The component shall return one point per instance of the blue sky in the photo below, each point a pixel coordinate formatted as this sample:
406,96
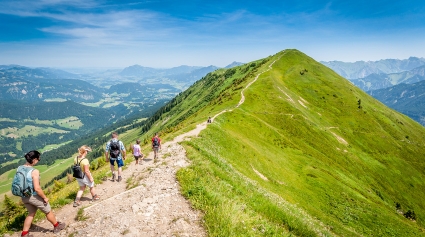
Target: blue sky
90,33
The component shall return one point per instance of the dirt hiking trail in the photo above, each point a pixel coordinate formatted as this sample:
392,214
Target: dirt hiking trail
154,207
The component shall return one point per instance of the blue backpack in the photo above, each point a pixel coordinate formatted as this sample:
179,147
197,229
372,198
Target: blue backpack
20,187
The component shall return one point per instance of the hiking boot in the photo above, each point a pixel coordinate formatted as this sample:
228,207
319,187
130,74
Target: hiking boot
113,177
60,227
119,178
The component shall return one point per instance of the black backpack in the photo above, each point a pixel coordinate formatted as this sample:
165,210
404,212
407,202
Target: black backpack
76,169
155,142
114,149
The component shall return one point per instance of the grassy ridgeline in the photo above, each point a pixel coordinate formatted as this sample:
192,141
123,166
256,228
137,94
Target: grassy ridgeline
307,154
318,142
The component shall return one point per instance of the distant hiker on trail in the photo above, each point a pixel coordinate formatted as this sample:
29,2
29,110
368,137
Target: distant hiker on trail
87,177
33,196
137,152
209,120
115,151
156,146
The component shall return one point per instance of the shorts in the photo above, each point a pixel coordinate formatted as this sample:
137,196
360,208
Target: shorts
138,157
156,149
85,182
36,202
120,162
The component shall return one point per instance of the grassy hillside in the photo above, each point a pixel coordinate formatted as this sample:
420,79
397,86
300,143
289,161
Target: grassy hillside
326,149
306,154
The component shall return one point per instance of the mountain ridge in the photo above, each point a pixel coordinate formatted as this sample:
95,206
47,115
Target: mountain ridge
318,140
361,69
380,81
305,142
406,98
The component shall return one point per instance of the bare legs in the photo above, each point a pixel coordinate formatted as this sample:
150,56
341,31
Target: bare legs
28,220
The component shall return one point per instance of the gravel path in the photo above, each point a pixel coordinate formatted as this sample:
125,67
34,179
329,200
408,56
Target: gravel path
154,207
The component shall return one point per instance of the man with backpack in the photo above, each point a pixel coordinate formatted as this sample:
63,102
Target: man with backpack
115,151
156,146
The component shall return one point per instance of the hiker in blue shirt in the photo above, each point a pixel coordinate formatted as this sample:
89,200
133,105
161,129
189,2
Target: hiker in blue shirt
115,151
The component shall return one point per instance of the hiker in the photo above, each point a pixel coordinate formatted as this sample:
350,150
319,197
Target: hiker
36,199
156,146
115,151
88,179
137,152
209,120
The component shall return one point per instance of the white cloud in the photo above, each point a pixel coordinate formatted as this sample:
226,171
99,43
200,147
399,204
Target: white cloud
110,36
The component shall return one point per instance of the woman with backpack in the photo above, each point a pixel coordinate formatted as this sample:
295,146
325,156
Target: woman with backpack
34,198
137,152
87,179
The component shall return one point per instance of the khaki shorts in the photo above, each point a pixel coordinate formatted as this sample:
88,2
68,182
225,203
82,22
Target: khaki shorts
36,202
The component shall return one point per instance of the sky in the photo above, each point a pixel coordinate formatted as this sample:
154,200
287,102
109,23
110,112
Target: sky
168,33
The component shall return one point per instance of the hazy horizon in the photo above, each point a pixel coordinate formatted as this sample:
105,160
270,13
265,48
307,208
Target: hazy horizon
165,34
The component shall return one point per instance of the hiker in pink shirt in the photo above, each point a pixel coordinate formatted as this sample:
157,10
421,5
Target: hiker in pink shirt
137,152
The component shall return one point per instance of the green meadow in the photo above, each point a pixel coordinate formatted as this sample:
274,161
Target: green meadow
306,154
315,141
16,132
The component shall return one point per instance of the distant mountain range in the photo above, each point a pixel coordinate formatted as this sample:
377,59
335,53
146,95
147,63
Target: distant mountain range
406,98
379,81
20,83
92,99
140,71
362,69
399,84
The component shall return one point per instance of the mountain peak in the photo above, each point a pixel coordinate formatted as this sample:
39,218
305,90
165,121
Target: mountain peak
234,64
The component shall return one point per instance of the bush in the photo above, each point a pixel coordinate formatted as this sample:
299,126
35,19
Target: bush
397,206
410,215
13,214
57,186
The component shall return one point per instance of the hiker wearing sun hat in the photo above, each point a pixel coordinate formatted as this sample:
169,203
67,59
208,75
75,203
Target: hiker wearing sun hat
87,180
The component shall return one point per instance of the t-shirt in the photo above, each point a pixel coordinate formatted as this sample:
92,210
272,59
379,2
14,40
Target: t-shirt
108,147
136,150
83,162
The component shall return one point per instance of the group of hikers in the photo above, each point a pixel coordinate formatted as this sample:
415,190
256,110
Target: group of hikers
26,183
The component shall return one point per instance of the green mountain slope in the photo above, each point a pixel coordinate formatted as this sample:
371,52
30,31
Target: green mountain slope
307,153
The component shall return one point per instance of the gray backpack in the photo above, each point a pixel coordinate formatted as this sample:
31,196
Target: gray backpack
20,186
